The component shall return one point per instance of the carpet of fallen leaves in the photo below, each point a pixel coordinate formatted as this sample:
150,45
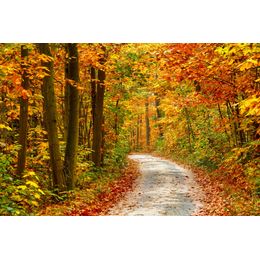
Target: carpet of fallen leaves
99,197
116,191
214,202
227,194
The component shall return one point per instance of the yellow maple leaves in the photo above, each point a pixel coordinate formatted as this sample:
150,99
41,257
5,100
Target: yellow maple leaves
251,106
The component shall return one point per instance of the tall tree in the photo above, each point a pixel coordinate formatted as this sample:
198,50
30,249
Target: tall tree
50,116
23,123
98,113
147,123
73,115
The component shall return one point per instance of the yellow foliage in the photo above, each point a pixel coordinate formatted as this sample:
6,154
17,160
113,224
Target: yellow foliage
251,106
2,126
37,195
41,191
22,187
31,183
35,203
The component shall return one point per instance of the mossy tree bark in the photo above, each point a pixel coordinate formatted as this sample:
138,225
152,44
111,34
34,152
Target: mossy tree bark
73,115
50,117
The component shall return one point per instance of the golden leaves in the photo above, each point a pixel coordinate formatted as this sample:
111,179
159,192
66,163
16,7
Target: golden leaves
2,126
251,106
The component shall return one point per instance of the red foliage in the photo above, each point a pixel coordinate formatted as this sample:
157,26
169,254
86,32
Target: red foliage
116,190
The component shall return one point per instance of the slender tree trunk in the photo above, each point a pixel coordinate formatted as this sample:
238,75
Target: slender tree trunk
189,127
98,117
234,119
232,128
73,123
116,119
102,150
221,117
50,112
147,123
93,92
84,122
138,132
23,124
189,123
82,118
241,133
66,98
159,116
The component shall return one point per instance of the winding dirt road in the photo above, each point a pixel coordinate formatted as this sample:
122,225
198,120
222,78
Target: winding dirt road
163,189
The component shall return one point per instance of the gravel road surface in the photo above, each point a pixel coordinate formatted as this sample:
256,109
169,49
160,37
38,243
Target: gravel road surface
163,189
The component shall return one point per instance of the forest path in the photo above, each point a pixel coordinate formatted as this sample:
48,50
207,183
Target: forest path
163,189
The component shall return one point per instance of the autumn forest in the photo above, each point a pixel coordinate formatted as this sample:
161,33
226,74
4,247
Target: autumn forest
75,117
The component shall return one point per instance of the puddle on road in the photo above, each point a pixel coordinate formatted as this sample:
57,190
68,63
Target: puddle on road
163,189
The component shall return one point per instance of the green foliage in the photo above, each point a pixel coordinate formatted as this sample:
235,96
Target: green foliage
18,196
87,178
118,154
160,145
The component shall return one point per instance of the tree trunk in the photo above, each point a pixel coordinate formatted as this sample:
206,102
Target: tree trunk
66,99
116,119
147,123
189,127
73,117
50,112
138,133
98,117
93,92
158,115
102,149
222,125
241,133
23,124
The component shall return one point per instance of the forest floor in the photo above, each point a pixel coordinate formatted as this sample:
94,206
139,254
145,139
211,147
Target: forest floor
149,185
97,197
163,188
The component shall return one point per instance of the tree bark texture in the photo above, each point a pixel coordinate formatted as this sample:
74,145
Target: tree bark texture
98,116
73,116
50,116
23,123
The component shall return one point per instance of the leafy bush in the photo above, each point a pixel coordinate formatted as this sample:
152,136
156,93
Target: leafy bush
118,154
18,196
